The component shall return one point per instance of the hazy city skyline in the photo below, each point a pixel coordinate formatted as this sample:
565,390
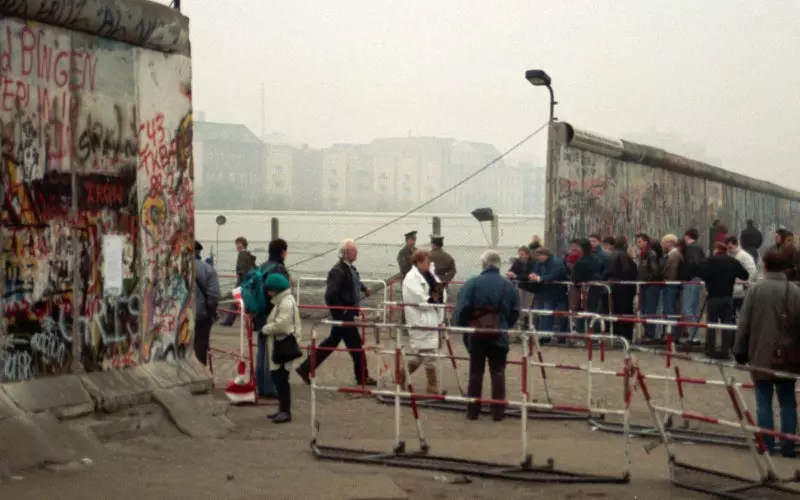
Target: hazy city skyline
715,72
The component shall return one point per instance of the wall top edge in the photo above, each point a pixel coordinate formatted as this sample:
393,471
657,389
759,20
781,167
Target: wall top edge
141,23
654,157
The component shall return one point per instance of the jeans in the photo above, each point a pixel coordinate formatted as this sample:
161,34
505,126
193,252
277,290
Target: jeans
202,338
553,323
690,306
281,379
669,302
230,318
264,383
788,408
484,350
651,294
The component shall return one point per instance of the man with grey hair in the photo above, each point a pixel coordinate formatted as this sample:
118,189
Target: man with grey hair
343,291
487,302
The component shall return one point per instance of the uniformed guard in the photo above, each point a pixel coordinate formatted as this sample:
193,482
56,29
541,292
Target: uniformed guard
443,263
405,253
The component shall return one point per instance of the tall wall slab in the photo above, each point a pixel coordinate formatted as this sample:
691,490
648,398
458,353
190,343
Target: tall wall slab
612,186
96,152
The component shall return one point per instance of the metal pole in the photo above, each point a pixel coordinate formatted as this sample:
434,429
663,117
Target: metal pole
495,231
274,229
437,225
553,103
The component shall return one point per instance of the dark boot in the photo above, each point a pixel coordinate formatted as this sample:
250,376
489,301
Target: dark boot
473,411
282,418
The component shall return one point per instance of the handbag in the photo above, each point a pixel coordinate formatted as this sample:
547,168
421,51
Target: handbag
481,319
287,349
787,354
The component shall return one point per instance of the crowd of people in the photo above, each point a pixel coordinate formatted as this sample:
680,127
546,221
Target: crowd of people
669,275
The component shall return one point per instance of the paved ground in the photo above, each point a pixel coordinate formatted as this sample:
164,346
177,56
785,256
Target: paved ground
263,460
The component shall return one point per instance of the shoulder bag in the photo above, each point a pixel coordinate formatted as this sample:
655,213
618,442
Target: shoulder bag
787,354
287,349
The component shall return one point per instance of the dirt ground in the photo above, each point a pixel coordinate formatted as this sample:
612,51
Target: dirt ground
263,460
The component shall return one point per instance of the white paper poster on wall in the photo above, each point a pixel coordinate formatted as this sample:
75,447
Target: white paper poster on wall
113,247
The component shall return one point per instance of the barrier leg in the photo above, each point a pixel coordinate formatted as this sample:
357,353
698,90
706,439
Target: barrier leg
423,443
453,363
538,348
752,438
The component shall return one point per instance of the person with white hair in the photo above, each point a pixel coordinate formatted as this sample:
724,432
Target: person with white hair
487,302
343,290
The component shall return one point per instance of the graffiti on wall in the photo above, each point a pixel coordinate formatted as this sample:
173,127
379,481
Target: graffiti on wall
596,193
74,154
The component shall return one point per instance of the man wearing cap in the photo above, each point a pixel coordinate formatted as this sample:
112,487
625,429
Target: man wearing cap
405,253
443,263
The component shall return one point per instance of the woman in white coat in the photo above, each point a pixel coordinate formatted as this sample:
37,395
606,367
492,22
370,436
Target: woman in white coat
422,288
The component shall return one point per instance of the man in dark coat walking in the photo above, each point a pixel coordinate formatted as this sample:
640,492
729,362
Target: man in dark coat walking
343,291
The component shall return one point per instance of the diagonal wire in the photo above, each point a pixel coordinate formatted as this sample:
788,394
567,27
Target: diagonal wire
428,202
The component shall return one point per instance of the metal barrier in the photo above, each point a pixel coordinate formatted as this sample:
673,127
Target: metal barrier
245,360
398,456
728,485
554,412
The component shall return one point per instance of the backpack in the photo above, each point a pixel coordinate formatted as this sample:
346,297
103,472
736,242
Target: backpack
253,296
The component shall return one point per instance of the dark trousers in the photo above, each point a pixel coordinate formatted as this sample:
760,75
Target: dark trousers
784,388
737,305
280,378
264,384
352,340
202,338
481,351
720,310
622,305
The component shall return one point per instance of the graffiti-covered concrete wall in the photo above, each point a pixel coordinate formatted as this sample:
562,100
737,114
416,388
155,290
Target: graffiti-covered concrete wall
95,114
612,186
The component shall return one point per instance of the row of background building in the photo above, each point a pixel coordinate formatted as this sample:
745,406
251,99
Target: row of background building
235,169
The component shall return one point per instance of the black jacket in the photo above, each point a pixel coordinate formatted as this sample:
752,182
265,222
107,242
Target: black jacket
720,275
694,262
340,290
521,272
751,238
619,267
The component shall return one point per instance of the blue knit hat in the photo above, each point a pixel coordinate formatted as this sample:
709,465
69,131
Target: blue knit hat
276,282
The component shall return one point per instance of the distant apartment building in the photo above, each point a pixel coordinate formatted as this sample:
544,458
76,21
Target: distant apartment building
231,154
500,186
279,175
307,179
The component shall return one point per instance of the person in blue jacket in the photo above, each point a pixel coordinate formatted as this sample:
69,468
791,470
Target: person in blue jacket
489,301
549,295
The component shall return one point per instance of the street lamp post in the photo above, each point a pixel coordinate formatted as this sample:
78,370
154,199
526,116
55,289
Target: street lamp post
220,220
539,78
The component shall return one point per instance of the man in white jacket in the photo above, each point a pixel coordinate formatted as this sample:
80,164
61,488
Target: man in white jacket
747,261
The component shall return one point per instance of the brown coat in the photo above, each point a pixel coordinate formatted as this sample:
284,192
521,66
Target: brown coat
443,264
672,266
758,334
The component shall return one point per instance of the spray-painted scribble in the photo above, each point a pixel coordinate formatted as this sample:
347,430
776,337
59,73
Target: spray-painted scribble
595,192
80,161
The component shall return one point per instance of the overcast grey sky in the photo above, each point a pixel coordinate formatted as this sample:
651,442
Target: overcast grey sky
722,73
